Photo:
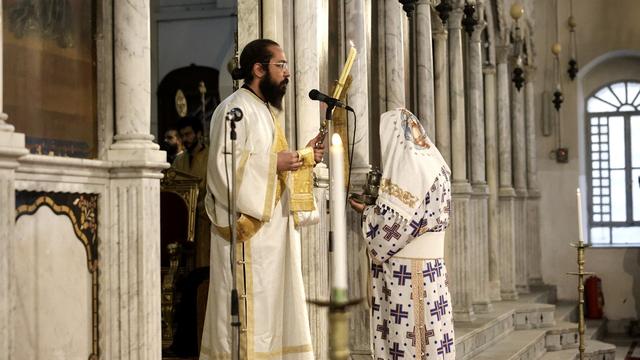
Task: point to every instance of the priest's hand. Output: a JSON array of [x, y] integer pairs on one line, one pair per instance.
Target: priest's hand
[[288, 161], [317, 143], [356, 205]]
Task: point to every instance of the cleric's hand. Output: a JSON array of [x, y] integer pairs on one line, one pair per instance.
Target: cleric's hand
[[288, 161], [317, 143], [356, 205]]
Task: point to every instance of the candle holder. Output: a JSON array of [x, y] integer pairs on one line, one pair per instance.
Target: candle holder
[[370, 188], [580, 247], [338, 326]]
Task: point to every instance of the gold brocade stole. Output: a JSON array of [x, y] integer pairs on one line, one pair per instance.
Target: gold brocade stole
[[248, 226], [279, 144]]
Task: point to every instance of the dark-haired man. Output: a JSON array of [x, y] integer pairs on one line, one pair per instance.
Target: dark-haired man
[[193, 160], [273, 309]]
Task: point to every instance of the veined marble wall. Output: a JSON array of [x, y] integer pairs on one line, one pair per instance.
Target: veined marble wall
[[52, 292]]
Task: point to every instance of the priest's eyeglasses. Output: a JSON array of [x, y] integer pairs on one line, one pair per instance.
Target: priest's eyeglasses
[[283, 65]]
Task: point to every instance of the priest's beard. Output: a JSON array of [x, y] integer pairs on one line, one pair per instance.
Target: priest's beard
[[273, 92]]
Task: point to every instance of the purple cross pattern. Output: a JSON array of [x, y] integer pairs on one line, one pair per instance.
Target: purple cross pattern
[[391, 232], [395, 352], [373, 230], [402, 275], [374, 306], [383, 329], [392, 252], [398, 314], [430, 272], [376, 270], [416, 226], [386, 291], [438, 268], [445, 345], [439, 307]]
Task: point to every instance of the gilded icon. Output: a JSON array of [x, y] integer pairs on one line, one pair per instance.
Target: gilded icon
[[181, 103]]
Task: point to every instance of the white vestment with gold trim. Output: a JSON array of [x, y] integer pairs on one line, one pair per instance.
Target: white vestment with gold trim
[[272, 302]]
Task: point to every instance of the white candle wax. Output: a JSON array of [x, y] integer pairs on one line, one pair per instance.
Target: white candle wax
[[338, 215], [580, 236]]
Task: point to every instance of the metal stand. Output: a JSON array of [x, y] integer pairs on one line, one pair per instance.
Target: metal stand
[[233, 116], [580, 246]]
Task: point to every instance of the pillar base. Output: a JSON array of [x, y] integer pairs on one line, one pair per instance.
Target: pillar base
[[494, 291], [523, 289], [463, 315], [508, 295], [482, 307]]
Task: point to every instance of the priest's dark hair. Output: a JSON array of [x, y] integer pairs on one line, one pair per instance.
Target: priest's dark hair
[[190, 121], [257, 51]]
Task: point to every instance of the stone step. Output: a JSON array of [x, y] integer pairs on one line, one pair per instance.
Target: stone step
[[474, 337], [564, 335], [517, 345], [534, 315], [594, 350]]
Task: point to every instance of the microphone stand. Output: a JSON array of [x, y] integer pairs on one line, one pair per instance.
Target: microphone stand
[[235, 317]]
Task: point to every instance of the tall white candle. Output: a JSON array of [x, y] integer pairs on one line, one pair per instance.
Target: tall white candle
[[580, 238], [338, 215]]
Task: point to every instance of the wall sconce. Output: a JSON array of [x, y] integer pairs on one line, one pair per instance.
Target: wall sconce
[[469, 21], [516, 35], [443, 9]]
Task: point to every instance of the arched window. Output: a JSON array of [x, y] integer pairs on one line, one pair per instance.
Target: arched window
[[613, 164]]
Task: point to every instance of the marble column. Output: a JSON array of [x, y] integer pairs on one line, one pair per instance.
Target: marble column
[[456, 98], [506, 193], [272, 21], [491, 156], [426, 99], [130, 281], [11, 149], [394, 54], [441, 84], [533, 188], [249, 22], [459, 231], [358, 96], [315, 248], [479, 235], [520, 186], [307, 69]]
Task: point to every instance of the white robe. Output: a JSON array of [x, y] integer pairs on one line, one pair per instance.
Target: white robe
[[272, 302]]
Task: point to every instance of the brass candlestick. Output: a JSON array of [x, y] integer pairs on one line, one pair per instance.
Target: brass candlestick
[[338, 324], [580, 246]]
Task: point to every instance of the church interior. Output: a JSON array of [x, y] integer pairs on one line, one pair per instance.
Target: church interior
[[529, 101]]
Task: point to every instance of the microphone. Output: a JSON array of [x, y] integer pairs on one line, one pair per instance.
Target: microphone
[[317, 95], [234, 114]]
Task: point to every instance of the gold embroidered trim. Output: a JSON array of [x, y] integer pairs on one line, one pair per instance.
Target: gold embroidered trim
[[247, 226], [394, 190], [302, 192], [417, 293]]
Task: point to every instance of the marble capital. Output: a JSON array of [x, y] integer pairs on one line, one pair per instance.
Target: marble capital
[[489, 69]]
